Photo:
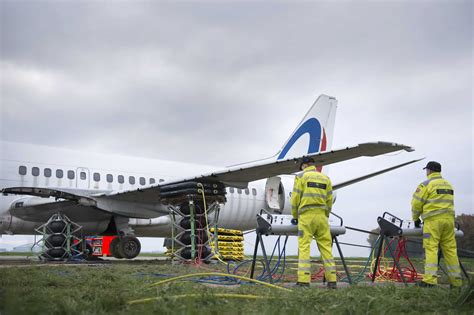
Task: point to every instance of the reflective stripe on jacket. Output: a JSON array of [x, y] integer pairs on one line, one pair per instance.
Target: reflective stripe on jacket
[[312, 190], [433, 197]]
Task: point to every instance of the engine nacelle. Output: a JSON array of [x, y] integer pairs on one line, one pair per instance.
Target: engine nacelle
[[14, 220], [12, 225], [275, 194]]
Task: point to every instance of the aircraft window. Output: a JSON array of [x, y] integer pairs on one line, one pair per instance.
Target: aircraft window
[[247, 191], [131, 180], [110, 178], [70, 174], [47, 172], [59, 173], [161, 180], [254, 191], [142, 181], [231, 190], [120, 179], [152, 180], [22, 170], [97, 177], [35, 171], [239, 191], [83, 175]]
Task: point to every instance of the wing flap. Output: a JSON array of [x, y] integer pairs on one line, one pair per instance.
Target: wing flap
[[60, 193], [367, 176]]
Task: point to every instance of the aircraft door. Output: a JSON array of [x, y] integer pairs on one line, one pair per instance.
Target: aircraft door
[[82, 178], [275, 194]]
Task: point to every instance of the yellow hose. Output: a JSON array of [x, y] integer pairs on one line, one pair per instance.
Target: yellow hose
[[207, 224], [217, 295], [208, 274]]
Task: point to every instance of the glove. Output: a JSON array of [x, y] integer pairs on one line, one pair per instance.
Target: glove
[[294, 221], [418, 223]]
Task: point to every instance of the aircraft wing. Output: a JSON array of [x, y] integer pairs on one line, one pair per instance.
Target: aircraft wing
[[145, 202], [239, 176]]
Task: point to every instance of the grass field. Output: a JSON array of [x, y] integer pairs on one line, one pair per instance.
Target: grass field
[[109, 287]]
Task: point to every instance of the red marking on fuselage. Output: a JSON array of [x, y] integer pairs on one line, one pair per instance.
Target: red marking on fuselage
[[323, 148]]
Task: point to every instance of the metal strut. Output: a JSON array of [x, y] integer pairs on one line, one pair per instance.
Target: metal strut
[[270, 224], [188, 208], [388, 229]]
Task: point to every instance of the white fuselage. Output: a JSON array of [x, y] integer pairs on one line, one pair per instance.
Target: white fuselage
[[25, 165]]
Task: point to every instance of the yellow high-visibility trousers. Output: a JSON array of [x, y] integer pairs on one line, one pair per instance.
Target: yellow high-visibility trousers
[[439, 232], [314, 223]]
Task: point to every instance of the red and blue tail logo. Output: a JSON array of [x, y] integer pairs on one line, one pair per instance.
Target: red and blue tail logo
[[318, 124], [317, 138]]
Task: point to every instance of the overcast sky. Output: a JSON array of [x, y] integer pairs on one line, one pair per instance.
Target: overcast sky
[[221, 83]]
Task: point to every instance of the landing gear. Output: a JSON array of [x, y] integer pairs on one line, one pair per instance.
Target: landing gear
[[114, 248], [129, 247], [125, 247]]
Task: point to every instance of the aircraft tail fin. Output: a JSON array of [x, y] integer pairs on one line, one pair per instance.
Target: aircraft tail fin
[[314, 133]]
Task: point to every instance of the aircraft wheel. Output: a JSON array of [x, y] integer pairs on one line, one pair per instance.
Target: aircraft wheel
[[114, 248], [129, 247]]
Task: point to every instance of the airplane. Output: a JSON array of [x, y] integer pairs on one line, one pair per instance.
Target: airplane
[[119, 195]]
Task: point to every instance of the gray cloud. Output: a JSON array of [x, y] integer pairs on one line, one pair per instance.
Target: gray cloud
[[226, 83]]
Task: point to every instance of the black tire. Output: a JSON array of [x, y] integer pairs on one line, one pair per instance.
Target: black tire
[[205, 251], [56, 252], [55, 240], [186, 253], [198, 208], [202, 251], [129, 247], [185, 223], [57, 226], [185, 238], [114, 248], [200, 239]]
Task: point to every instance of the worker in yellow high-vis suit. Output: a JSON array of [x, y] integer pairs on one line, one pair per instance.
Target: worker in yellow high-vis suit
[[433, 201], [311, 203]]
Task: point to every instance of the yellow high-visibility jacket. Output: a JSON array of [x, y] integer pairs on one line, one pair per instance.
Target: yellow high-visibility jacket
[[433, 197], [312, 190]]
